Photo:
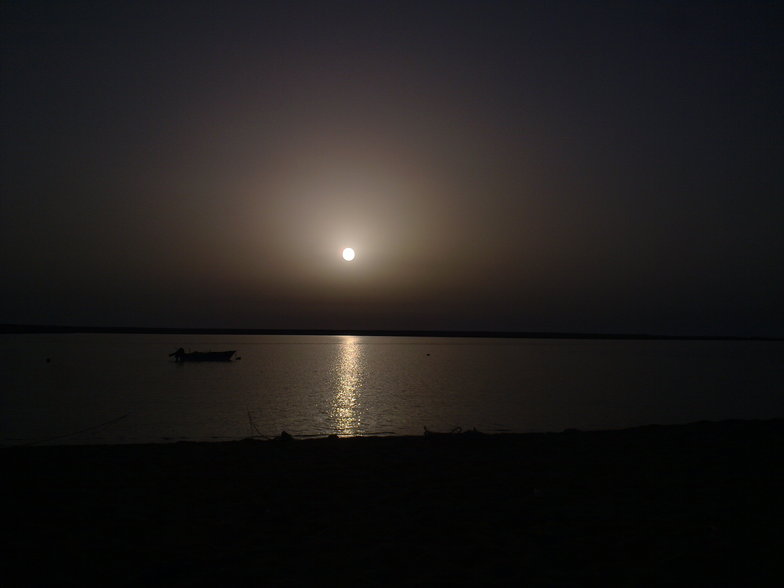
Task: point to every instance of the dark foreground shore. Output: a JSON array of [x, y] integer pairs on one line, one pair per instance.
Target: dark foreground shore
[[691, 505]]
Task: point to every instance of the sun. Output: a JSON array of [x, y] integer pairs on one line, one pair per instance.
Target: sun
[[348, 254]]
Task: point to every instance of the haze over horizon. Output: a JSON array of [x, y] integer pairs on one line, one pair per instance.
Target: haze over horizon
[[517, 166]]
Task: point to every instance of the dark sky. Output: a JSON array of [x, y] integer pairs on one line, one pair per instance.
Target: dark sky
[[568, 166]]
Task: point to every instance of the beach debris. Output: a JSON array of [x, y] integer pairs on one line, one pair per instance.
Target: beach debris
[[284, 436], [454, 431]]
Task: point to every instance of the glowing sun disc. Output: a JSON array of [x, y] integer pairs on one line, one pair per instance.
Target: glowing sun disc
[[348, 254]]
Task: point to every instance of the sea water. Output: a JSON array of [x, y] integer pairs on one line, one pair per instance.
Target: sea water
[[89, 388]]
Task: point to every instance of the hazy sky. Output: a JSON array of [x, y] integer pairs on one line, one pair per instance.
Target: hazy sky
[[569, 166]]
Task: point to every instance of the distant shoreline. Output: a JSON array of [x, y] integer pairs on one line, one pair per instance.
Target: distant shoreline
[[67, 329]]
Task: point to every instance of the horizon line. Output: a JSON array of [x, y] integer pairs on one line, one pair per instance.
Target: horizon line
[[13, 328]]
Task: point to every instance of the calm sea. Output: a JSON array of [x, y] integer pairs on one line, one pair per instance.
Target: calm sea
[[125, 389]]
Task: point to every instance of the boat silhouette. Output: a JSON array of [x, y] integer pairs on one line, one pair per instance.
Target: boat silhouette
[[181, 356]]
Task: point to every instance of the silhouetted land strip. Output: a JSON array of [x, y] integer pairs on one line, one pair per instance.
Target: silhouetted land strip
[[53, 329], [689, 505]]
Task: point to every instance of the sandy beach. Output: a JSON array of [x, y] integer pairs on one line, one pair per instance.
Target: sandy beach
[[697, 504]]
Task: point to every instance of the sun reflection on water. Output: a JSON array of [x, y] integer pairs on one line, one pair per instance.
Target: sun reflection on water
[[344, 412]]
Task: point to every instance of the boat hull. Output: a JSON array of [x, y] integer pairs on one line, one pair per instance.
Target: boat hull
[[199, 356]]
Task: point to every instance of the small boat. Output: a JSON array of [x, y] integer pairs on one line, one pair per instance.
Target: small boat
[[180, 355]]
